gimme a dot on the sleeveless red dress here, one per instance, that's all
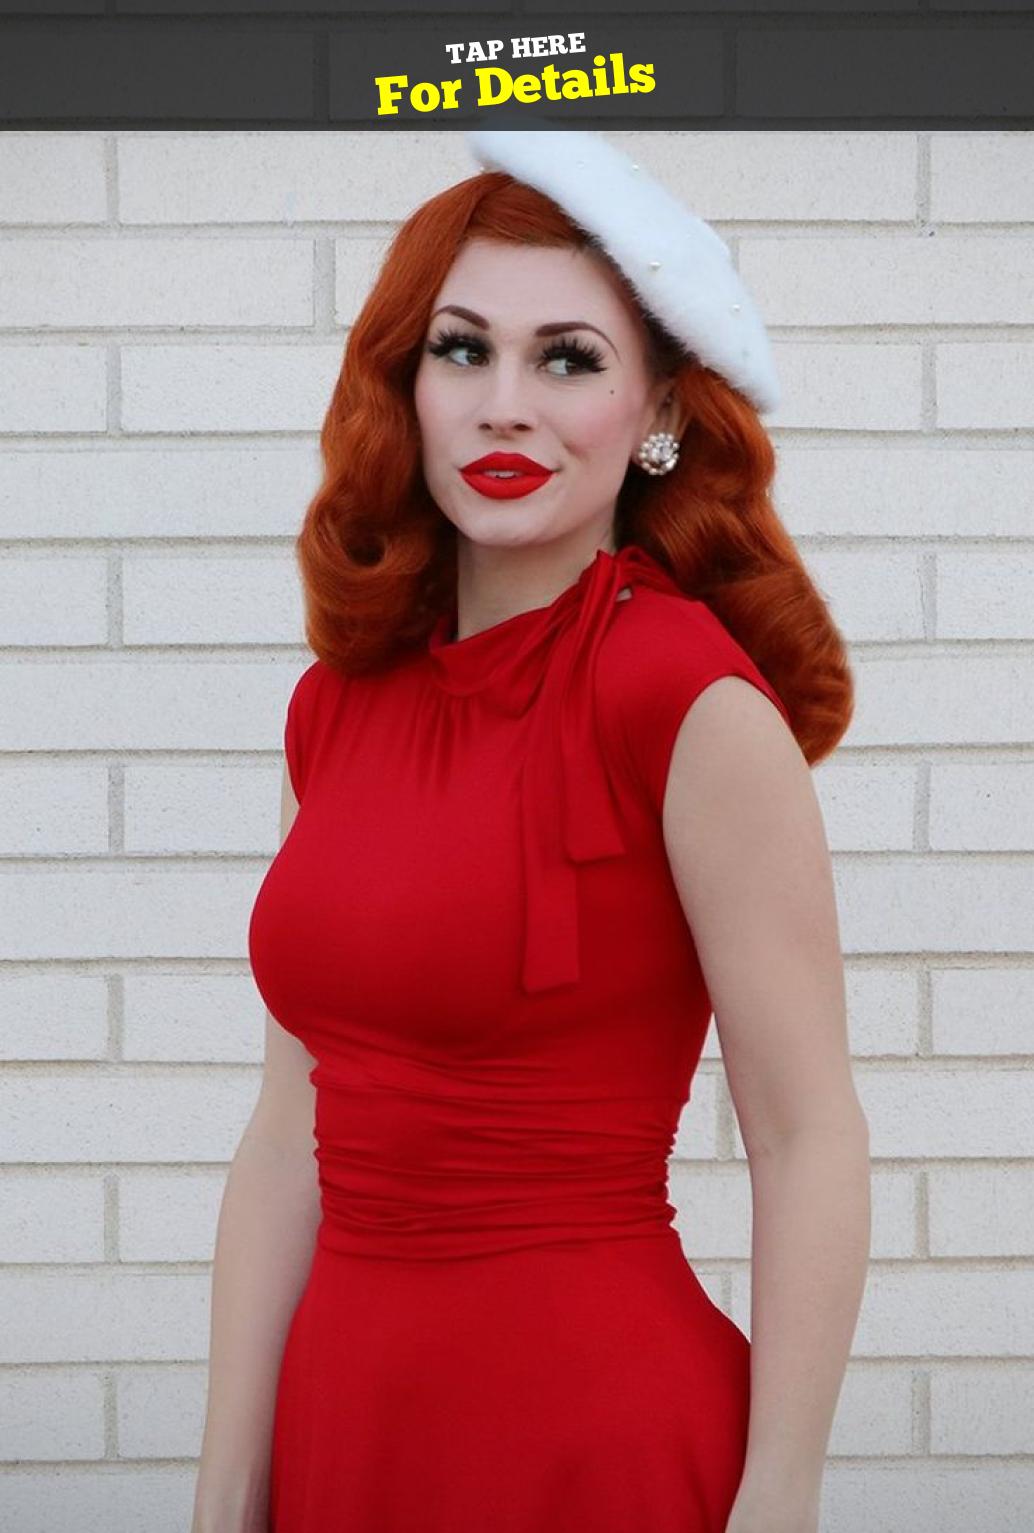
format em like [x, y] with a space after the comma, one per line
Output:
[473, 928]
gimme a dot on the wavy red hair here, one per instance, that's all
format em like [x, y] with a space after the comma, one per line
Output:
[378, 558]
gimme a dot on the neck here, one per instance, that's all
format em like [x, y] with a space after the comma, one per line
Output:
[493, 585]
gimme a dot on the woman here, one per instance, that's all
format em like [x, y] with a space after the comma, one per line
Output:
[555, 806]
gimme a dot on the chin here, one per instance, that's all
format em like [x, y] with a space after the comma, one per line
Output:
[500, 525]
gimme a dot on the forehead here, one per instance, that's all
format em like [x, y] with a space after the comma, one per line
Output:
[521, 286]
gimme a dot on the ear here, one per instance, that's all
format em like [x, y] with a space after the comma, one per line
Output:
[664, 412]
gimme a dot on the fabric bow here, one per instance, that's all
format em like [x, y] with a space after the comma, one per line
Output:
[568, 807]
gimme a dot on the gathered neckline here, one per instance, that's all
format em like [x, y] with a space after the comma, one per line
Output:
[504, 661]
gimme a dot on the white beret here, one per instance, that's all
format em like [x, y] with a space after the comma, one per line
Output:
[679, 266]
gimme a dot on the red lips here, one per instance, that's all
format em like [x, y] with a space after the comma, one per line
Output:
[527, 475]
[515, 460]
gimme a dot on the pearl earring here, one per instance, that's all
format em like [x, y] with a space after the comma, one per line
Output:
[659, 453]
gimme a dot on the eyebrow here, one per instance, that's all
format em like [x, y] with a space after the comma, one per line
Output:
[551, 329]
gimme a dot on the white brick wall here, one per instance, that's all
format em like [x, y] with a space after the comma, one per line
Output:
[172, 315]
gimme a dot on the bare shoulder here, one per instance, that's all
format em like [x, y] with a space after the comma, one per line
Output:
[738, 784]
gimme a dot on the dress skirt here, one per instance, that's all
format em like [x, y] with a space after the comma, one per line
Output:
[593, 1386]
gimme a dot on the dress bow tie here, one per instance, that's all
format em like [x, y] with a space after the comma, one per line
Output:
[543, 663]
[568, 807]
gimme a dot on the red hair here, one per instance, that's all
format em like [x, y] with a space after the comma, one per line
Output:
[377, 556]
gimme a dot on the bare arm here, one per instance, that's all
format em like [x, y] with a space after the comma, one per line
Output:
[263, 1251]
[747, 847]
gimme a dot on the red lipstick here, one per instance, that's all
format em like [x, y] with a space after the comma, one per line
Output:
[518, 475]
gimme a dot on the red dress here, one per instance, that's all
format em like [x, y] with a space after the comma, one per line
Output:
[473, 928]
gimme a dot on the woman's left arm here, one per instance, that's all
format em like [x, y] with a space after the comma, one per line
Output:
[748, 853]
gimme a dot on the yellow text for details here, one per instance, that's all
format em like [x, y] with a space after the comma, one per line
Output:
[496, 85]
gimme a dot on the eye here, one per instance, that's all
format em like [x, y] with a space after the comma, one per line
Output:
[585, 357]
[454, 340]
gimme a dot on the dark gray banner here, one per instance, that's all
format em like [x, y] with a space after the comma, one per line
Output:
[283, 63]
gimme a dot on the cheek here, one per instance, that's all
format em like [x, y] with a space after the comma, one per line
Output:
[423, 399]
[604, 432]
[432, 421]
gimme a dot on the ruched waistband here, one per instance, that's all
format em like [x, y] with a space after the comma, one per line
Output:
[426, 1168]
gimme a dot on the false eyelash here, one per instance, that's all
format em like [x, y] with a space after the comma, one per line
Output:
[588, 355]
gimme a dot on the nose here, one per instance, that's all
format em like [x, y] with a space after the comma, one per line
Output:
[506, 404]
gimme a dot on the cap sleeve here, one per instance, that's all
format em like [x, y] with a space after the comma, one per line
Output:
[300, 727]
[671, 651]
